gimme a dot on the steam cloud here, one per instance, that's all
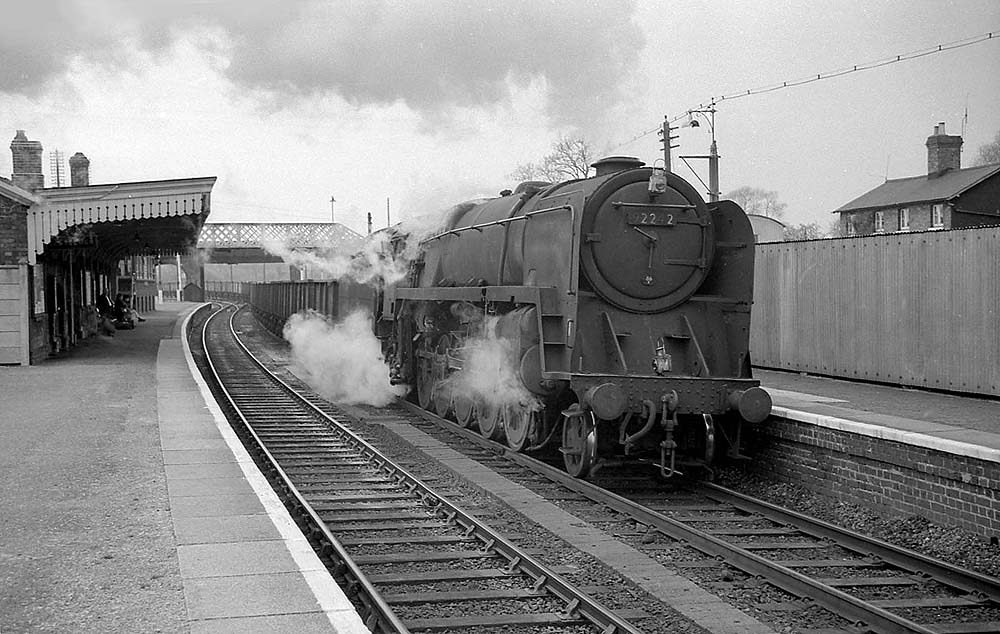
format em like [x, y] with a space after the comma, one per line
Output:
[431, 55]
[488, 372]
[376, 258]
[372, 261]
[344, 360]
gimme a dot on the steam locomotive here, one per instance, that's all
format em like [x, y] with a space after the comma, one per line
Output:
[623, 304]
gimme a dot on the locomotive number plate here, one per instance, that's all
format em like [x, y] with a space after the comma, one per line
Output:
[656, 218]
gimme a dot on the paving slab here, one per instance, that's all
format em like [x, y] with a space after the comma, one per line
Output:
[229, 528]
[233, 565]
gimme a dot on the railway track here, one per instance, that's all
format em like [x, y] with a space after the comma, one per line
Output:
[877, 586]
[410, 559]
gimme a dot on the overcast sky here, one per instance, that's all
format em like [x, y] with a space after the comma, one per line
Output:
[290, 102]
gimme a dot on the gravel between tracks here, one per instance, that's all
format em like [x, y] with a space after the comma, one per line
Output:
[949, 544]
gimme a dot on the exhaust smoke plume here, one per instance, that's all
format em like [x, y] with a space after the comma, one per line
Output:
[344, 360]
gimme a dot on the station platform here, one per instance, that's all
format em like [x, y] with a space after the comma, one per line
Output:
[127, 504]
[961, 425]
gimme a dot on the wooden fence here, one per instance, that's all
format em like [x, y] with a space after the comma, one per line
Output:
[919, 309]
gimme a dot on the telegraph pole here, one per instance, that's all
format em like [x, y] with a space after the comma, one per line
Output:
[713, 168]
[667, 139]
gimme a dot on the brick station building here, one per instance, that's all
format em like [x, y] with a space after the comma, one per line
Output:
[61, 246]
[947, 197]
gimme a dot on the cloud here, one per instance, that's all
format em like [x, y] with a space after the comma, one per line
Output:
[433, 56]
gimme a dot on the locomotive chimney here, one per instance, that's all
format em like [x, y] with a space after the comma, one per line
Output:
[944, 152]
[612, 164]
[79, 170]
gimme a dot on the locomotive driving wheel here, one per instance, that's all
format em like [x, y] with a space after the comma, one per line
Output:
[442, 388]
[491, 419]
[442, 398]
[579, 444]
[464, 409]
[521, 421]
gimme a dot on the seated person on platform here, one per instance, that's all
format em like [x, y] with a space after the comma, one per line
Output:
[123, 313]
[105, 314]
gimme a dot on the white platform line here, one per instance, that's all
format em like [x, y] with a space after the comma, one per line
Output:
[330, 597]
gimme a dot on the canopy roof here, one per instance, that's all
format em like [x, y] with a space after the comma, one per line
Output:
[141, 218]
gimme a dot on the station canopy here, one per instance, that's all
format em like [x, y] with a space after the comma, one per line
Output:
[160, 218]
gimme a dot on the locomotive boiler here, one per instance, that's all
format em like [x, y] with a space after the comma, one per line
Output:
[623, 304]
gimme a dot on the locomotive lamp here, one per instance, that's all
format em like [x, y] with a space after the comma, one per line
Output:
[658, 181]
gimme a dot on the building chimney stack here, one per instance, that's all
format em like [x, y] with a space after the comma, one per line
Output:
[27, 164]
[79, 170]
[944, 152]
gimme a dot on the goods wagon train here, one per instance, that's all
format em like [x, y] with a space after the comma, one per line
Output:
[623, 302]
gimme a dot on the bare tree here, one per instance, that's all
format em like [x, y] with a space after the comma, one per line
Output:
[569, 159]
[525, 172]
[758, 201]
[835, 230]
[989, 152]
[804, 231]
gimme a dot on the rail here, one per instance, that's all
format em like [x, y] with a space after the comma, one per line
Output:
[577, 605]
[979, 589]
[380, 610]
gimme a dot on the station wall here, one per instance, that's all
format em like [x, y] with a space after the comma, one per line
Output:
[893, 478]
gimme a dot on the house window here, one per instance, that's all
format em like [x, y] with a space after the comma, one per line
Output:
[850, 226]
[937, 215]
[904, 218]
[879, 221]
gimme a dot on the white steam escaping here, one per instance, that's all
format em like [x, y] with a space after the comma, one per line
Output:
[374, 260]
[344, 360]
[489, 372]
[383, 256]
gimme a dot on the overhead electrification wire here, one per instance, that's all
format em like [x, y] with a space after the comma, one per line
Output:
[821, 76]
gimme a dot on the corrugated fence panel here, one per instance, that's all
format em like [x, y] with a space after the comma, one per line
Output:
[920, 309]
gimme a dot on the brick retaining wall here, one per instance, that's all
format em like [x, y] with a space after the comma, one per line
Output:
[888, 477]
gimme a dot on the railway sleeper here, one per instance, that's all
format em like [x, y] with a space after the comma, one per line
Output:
[454, 574]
